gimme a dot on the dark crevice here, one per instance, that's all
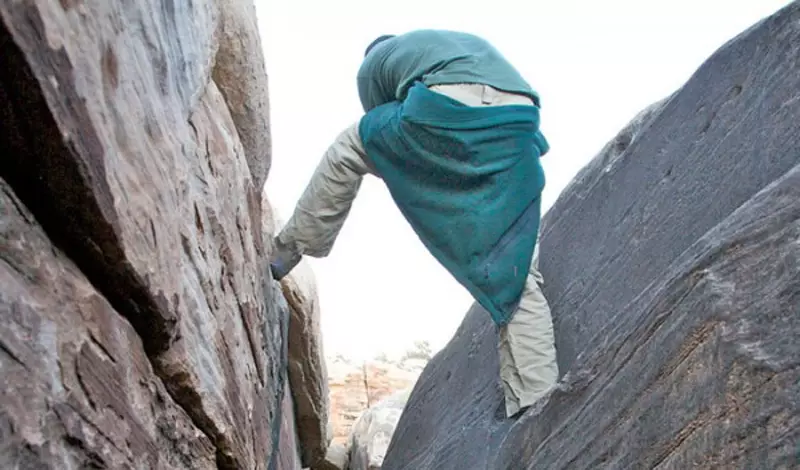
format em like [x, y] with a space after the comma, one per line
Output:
[61, 180]
[57, 170]
[7, 350]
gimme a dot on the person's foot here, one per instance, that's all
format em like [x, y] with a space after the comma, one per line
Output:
[519, 412]
[283, 260]
[501, 413]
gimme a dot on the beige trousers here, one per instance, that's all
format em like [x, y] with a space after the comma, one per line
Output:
[527, 348]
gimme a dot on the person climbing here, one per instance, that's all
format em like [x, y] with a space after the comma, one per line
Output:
[452, 129]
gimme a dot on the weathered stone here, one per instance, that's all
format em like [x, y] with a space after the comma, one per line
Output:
[289, 454]
[241, 76]
[373, 431]
[672, 268]
[76, 387]
[307, 373]
[336, 458]
[123, 148]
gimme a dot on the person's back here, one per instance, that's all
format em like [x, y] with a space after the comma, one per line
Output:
[452, 129]
[434, 57]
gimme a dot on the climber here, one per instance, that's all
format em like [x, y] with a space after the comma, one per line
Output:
[453, 131]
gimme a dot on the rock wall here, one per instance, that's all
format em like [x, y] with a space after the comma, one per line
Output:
[140, 325]
[241, 76]
[307, 373]
[77, 389]
[671, 264]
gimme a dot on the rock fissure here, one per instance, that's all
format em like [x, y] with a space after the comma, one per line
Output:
[109, 191]
[102, 262]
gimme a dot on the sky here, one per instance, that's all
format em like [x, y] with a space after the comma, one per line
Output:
[595, 63]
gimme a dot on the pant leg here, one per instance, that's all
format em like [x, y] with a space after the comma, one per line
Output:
[323, 207]
[528, 367]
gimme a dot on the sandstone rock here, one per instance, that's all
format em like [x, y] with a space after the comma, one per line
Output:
[76, 388]
[373, 431]
[307, 373]
[240, 73]
[123, 148]
[672, 270]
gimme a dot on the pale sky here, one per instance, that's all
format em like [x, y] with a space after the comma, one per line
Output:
[595, 64]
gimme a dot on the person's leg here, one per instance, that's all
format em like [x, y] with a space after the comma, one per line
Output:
[324, 205]
[528, 366]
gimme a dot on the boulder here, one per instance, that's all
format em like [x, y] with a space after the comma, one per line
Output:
[671, 266]
[77, 389]
[124, 150]
[337, 458]
[355, 387]
[241, 76]
[307, 371]
[373, 431]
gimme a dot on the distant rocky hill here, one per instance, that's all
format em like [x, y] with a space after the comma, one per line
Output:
[357, 385]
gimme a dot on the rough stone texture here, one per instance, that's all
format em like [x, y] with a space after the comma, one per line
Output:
[337, 458]
[117, 139]
[673, 270]
[373, 431]
[76, 387]
[242, 78]
[289, 457]
[307, 373]
[355, 387]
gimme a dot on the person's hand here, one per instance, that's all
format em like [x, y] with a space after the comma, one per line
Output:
[283, 260]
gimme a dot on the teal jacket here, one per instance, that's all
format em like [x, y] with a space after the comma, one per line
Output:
[469, 181]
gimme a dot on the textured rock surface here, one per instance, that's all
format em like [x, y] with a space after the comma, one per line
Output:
[307, 373]
[673, 269]
[125, 151]
[289, 457]
[336, 458]
[306, 357]
[76, 387]
[373, 431]
[240, 73]
[355, 387]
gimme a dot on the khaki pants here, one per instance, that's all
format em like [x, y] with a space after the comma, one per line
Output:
[527, 348]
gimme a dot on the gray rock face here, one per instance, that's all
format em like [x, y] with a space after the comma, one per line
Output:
[289, 457]
[77, 389]
[117, 139]
[673, 270]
